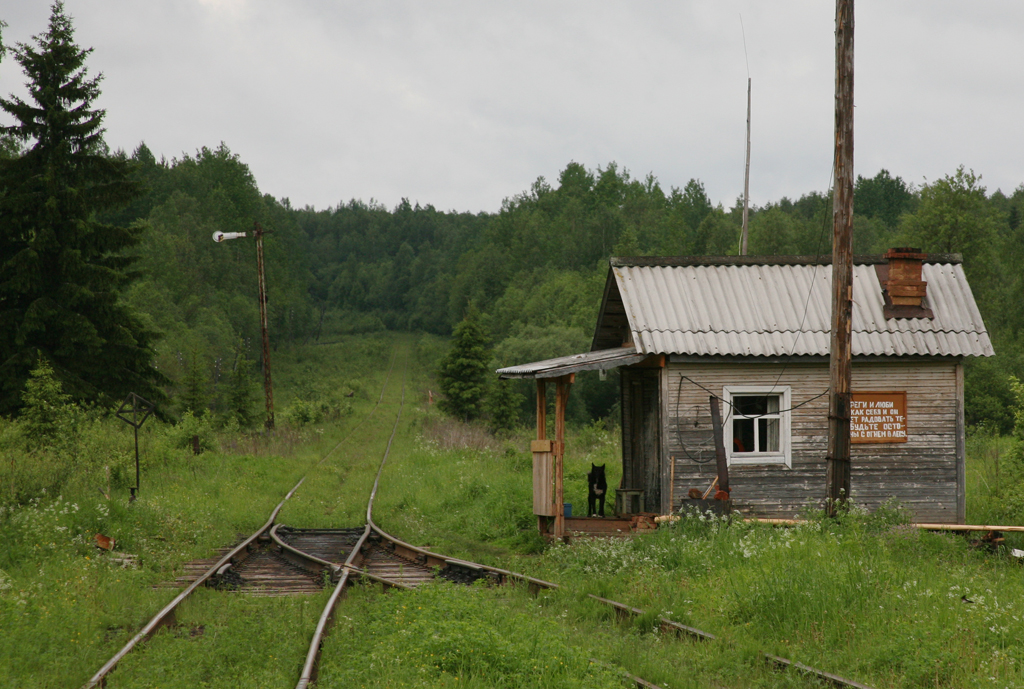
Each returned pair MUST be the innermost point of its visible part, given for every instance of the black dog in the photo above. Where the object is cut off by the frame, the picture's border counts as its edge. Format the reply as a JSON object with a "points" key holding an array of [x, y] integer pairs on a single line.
{"points": [[597, 489]]}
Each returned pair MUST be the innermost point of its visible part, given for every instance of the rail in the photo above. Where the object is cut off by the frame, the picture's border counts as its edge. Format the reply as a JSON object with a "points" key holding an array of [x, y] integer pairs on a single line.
{"points": [[423, 558], [670, 626], [166, 615]]}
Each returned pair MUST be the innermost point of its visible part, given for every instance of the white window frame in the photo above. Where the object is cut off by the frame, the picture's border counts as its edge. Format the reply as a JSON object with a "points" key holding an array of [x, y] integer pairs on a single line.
{"points": [[784, 456]]}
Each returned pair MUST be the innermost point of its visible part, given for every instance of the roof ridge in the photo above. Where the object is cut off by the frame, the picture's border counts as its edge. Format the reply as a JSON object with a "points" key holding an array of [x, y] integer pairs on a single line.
{"points": [[712, 261]]}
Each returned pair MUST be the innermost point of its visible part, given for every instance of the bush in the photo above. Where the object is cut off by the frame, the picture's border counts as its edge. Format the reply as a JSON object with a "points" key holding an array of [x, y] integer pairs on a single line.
{"points": [[179, 436], [49, 417]]}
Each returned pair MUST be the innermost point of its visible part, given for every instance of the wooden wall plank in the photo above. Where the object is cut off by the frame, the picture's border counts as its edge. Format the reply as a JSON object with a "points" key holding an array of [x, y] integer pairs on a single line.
{"points": [[922, 473]]}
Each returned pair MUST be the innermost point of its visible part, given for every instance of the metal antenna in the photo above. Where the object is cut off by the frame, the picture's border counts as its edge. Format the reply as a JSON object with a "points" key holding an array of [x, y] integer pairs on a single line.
{"points": [[746, 174]]}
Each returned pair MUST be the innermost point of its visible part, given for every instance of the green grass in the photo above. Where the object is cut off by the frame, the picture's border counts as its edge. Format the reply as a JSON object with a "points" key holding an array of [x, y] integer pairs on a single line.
{"points": [[865, 597], [66, 607], [445, 635]]}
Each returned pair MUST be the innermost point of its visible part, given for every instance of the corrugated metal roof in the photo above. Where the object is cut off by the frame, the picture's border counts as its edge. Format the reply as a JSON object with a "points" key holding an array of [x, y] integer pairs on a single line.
{"points": [[601, 359], [782, 310]]}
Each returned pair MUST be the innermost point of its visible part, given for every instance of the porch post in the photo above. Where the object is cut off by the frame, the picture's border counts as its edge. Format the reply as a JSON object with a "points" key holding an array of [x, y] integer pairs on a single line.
{"points": [[561, 398], [543, 499], [542, 409]]}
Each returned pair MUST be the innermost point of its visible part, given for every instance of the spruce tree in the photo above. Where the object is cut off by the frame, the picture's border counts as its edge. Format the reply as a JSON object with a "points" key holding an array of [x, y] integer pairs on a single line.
{"points": [[463, 372], [240, 395], [61, 268], [503, 406], [48, 413], [194, 395]]}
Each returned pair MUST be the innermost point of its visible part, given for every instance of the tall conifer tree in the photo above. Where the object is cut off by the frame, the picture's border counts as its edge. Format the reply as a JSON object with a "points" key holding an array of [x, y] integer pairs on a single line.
{"points": [[464, 371], [61, 267]]}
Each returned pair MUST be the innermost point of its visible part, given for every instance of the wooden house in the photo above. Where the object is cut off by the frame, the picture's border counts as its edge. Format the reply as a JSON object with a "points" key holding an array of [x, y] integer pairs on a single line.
{"points": [[754, 333]]}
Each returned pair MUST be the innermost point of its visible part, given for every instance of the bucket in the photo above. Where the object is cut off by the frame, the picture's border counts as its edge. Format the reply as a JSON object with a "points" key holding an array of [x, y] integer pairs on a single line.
{"points": [[567, 507]]}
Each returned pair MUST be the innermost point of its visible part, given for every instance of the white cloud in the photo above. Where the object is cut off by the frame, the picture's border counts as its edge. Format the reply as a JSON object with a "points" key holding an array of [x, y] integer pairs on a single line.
{"points": [[461, 104]]}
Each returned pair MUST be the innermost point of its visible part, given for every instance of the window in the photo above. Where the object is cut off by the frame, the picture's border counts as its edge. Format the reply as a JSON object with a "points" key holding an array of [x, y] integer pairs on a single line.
{"points": [[756, 425]]}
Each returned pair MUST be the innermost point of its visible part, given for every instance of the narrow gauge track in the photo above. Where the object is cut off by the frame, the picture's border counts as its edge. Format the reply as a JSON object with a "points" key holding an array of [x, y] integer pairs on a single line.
{"points": [[382, 558], [281, 560], [218, 572]]}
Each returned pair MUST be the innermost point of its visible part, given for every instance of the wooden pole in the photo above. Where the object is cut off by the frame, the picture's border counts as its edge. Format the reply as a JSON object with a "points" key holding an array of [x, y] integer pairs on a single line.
{"points": [[746, 181], [542, 409], [672, 485], [838, 454], [268, 387], [720, 459], [542, 434], [561, 398]]}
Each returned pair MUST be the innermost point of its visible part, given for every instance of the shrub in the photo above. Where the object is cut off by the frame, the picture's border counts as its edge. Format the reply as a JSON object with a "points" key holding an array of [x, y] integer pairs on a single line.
{"points": [[179, 436], [48, 417]]}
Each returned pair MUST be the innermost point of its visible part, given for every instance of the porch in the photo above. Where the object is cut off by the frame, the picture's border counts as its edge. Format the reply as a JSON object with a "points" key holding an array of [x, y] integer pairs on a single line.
{"points": [[629, 499]]}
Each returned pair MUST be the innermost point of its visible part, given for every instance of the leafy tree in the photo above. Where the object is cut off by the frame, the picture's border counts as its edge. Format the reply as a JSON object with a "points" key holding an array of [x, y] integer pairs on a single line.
{"points": [[63, 269], [883, 196], [953, 216], [716, 235], [464, 372], [240, 395], [773, 233]]}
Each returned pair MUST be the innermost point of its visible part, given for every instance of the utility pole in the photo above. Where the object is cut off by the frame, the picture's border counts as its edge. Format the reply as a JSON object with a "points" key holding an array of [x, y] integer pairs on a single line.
{"points": [[746, 181], [838, 457], [268, 388]]}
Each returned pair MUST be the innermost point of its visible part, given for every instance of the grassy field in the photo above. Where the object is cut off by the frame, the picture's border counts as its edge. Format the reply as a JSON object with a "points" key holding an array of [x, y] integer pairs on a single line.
{"points": [[865, 597]]}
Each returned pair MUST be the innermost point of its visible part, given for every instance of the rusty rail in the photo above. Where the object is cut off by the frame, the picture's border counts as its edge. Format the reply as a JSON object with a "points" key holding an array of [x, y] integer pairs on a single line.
{"points": [[638, 681], [835, 680], [926, 526], [166, 615], [311, 667], [666, 625], [424, 558]]}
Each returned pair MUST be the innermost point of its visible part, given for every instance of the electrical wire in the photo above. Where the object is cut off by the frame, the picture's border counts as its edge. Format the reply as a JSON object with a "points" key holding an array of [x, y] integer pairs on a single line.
{"points": [[679, 433], [785, 364], [753, 416], [810, 290]]}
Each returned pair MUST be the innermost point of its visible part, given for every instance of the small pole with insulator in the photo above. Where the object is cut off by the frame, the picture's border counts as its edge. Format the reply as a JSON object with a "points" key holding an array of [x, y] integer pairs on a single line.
{"points": [[268, 388]]}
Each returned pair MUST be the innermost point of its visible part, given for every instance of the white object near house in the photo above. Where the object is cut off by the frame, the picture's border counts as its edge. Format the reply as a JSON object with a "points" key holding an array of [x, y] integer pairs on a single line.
{"points": [[219, 236]]}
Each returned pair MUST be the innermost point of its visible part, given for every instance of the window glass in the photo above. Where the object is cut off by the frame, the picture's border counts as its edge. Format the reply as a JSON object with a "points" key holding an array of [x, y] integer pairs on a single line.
{"points": [[760, 433]]}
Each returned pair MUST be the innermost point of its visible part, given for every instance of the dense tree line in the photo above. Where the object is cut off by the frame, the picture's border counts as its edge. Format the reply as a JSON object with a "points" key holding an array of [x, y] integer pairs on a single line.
{"points": [[532, 272]]}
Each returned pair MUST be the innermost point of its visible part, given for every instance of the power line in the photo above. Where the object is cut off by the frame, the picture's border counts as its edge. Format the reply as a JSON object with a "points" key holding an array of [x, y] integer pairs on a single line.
{"points": [[748, 416]]}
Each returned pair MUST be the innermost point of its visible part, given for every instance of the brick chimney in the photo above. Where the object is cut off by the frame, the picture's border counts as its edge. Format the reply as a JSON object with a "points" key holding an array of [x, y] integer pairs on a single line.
{"points": [[905, 286]]}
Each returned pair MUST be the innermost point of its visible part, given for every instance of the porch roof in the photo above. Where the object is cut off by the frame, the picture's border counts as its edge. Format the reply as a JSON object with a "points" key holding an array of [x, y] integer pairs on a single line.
{"points": [[599, 360]]}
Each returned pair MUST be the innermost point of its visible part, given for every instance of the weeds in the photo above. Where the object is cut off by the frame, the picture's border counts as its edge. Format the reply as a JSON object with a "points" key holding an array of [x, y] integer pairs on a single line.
{"points": [[863, 596]]}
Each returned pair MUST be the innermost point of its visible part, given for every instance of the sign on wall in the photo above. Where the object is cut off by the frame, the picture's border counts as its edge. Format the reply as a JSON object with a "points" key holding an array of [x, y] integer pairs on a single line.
{"points": [[878, 417]]}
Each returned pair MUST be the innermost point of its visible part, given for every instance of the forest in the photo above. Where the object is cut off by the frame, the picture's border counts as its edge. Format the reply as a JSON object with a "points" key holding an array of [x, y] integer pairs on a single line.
{"points": [[110, 282], [534, 270], [531, 273]]}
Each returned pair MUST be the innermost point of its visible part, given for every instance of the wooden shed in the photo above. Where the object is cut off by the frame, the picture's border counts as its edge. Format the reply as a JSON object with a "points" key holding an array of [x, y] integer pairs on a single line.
{"points": [[753, 333]]}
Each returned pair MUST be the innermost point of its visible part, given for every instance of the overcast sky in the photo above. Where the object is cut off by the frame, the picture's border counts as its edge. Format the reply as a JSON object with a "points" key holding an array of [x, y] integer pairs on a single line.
{"points": [[461, 104]]}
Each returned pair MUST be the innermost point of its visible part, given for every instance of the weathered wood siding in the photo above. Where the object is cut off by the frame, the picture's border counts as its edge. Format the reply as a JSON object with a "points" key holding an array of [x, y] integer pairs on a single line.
{"points": [[925, 474], [642, 467]]}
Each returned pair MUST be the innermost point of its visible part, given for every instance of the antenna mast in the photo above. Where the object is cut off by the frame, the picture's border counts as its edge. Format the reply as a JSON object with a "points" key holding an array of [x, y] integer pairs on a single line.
{"points": [[746, 180]]}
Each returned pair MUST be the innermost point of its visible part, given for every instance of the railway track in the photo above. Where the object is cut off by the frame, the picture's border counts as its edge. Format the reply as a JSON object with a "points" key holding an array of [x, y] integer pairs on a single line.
{"points": [[282, 560], [279, 560]]}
